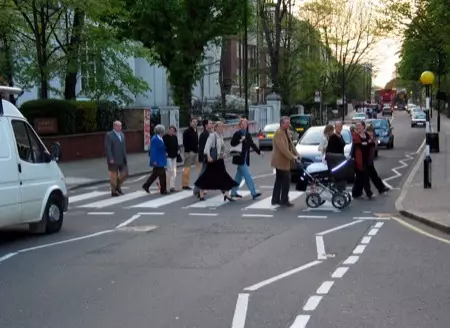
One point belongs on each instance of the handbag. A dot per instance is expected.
(213, 151)
(236, 150)
(179, 158)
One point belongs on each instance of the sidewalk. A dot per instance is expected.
(430, 206)
(90, 172)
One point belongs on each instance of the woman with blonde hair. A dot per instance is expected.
(327, 133)
(215, 176)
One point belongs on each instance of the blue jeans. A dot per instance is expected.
(196, 190)
(243, 172)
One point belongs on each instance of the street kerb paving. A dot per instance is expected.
(430, 206)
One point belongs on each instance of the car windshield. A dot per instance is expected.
(300, 120)
(314, 137)
(419, 115)
(360, 115)
(271, 127)
(379, 124)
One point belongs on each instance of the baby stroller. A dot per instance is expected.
(331, 177)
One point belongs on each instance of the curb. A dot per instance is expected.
(410, 213)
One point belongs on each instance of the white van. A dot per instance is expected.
(32, 187)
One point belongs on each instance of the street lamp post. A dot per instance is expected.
(427, 79)
(246, 59)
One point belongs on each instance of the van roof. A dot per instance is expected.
(9, 110)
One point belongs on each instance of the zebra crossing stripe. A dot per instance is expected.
(266, 203)
(215, 201)
(165, 200)
(89, 195)
(116, 200)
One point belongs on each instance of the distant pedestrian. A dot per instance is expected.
(215, 176)
(190, 144)
(243, 160)
(202, 159)
(373, 174)
(172, 150)
(361, 152)
(116, 154)
(283, 156)
(158, 161)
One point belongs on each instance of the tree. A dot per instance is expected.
(348, 29)
(178, 31)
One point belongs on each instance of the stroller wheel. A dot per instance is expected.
(348, 196)
(339, 200)
(313, 200)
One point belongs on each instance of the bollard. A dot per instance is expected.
(427, 172)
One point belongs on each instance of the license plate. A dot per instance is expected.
(300, 129)
(270, 135)
(420, 123)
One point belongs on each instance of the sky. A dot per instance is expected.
(385, 67)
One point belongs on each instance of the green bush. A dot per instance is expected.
(64, 111)
(86, 116)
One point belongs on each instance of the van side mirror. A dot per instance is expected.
(47, 157)
(56, 151)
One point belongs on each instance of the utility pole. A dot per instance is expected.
(246, 57)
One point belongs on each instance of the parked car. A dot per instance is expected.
(418, 119)
(265, 137)
(308, 146)
(386, 111)
(301, 122)
(383, 132)
(416, 109)
(359, 117)
(33, 190)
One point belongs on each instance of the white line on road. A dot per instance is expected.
(137, 179)
(281, 276)
(242, 183)
(352, 259)
(373, 232)
(100, 213)
(151, 213)
(312, 303)
(7, 257)
(379, 224)
(320, 246)
(323, 233)
(359, 249)
(257, 215)
(301, 321)
(422, 145)
(240, 312)
(325, 287)
(127, 222)
(339, 272)
(366, 218)
(203, 214)
(366, 240)
(312, 216)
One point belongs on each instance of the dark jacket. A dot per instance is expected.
(244, 158)
(171, 143)
(190, 140)
(336, 144)
(201, 145)
(362, 151)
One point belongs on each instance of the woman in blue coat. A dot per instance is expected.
(158, 161)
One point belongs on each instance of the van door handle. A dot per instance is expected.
(19, 167)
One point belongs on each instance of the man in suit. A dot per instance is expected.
(283, 155)
(116, 155)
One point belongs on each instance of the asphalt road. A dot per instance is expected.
(144, 262)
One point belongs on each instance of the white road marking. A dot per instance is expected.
(115, 200)
(242, 183)
(352, 259)
(422, 232)
(266, 203)
(301, 321)
(203, 214)
(312, 303)
(323, 233)
(257, 215)
(88, 195)
(215, 201)
(138, 179)
(379, 224)
(373, 232)
(365, 218)
(366, 240)
(339, 272)
(281, 276)
(263, 176)
(367, 212)
(402, 166)
(240, 312)
(320, 246)
(359, 249)
(151, 213)
(129, 221)
(138, 228)
(325, 287)
(7, 257)
(265, 187)
(100, 213)
(165, 200)
(422, 145)
(312, 216)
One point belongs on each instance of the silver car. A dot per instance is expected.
(265, 137)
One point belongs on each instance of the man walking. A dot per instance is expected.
(190, 143)
(207, 126)
(284, 153)
(116, 155)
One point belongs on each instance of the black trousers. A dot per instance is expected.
(158, 172)
(362, 182)
(280, 194)
(375, 178)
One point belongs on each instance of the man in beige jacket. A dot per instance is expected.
(283, 156)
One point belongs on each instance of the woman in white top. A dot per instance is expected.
(215, 176)
(327, 133)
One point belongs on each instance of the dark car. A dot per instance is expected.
(383, 131)
(386, 111)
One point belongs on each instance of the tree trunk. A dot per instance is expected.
(73, 51)
(8, 67)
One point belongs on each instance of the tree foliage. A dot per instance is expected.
(179, 31)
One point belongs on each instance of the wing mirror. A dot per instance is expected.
(56, 151)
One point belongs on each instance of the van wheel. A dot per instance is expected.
(53, 215)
